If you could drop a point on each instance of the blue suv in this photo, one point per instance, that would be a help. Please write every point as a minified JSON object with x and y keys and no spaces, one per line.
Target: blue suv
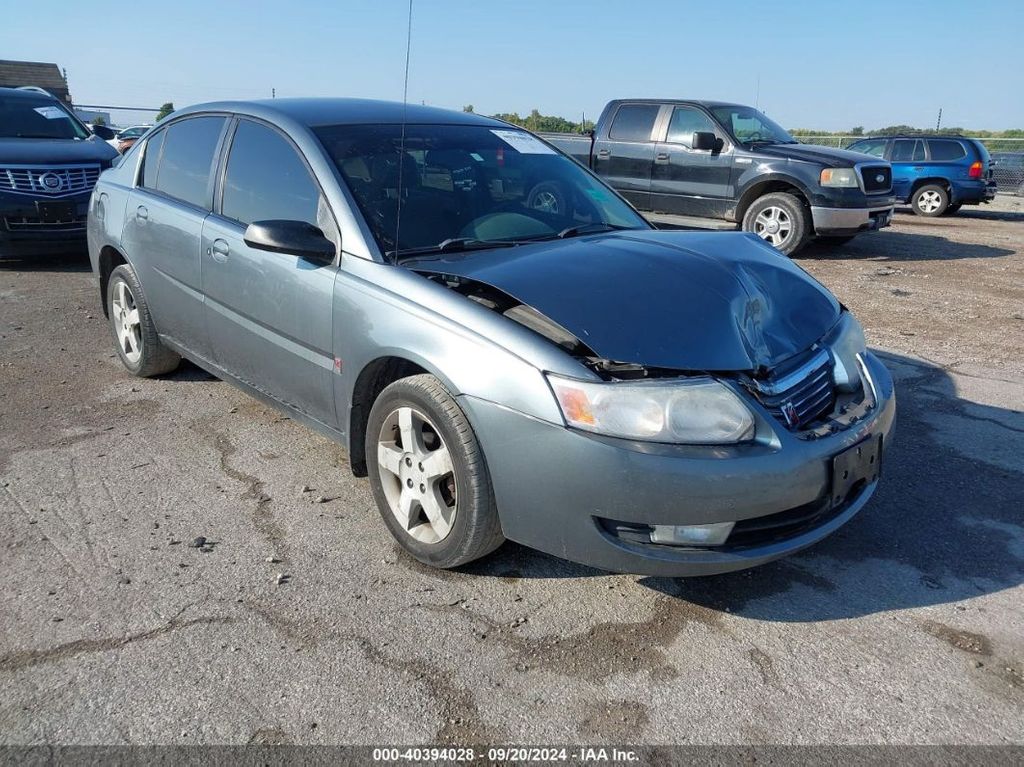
{"x":935,"y":174}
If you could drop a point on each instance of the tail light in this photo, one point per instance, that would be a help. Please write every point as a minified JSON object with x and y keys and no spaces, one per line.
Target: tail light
{"x":976,"y":170}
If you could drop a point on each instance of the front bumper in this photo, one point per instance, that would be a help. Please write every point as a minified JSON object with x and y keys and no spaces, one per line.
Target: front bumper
{"x":555,"y":488}
{"x":845,"y":221}
{"x":23,"y":232}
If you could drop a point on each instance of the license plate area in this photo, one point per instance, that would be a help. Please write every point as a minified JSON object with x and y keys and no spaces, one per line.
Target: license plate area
{"x":56,"y":212}
{"x":854,"y":468}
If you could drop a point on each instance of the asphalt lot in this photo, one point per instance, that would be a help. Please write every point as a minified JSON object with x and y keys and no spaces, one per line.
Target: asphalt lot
{"x":905,"y":627}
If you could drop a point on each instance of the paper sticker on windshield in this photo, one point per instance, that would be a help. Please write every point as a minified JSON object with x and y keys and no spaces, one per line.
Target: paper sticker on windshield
{"x":523,"y":142}
{"x":51,"y":112}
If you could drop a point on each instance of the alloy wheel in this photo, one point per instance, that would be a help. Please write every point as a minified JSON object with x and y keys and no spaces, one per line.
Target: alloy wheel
{"x":127,"y":326}
{"x":929,"y":201}
{"x":417,"y":475}
{"x":774,"y":225}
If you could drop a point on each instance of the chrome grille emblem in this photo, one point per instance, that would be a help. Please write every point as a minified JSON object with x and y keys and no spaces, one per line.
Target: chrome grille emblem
{"x":51,"y":182}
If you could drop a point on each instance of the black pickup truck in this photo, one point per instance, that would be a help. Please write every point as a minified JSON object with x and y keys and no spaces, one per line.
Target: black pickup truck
{"x":717,"y":165}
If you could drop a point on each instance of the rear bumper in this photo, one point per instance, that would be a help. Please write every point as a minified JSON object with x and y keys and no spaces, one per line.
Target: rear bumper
{"x":844,"y":221}
{"x":973,"y":192}
{"x":557,"y":489}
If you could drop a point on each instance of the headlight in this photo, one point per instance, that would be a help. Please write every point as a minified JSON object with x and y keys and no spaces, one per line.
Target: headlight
{"x":846,"y":177}
{"x":693,"y":411}
{"x":847,"y":342}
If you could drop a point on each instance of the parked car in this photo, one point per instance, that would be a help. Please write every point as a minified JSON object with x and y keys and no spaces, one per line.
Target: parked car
{"x":656,"y":402}
{"x":49,"y":162}
{"x":935,"y":174}
{"x":705,"y":161}
{"x":124,"y":139}
{"x":1008,"y":172}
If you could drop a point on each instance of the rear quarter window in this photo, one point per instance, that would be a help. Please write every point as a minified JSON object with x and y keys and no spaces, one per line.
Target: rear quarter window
{"x":945,"y":149}
{"x":634,"y":122}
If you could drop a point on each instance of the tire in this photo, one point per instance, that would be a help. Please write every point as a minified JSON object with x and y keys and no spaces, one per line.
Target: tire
{"x":952,"y":209}
{"x":930,"y":200}
{"x":549,"y":197}
{"x":135,"y":336}
{"x":781,"y":220}
{"x":835,"y":240}
{"x":444,"y":519}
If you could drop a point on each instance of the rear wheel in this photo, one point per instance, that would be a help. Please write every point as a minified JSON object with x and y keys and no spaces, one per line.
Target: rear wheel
{"x":781,"y":220}
{"x":428,"y":474}
{"x":930,"y":200}
{"x":135,"y":336}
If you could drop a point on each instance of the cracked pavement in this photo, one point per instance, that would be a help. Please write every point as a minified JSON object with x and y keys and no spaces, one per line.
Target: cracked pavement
{"x":907,"y":626}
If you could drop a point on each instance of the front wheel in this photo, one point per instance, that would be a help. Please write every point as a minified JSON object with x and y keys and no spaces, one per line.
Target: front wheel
{"x":428,"y":474}
{"x":781,"y":220}
{"x":930,"y":200}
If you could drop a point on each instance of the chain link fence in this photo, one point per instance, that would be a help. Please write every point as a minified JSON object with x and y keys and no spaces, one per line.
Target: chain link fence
{"x":1007,"y":153}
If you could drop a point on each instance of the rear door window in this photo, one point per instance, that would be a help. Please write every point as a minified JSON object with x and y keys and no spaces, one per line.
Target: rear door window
{"x":634,"y":122}
{"x":907,"y":150}
{"x":945,"y":149}
{"x":267,"y":179}
{"x":187,"y":159}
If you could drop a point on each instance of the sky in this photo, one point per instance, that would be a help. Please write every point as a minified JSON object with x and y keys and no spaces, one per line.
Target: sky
{"x":825,"y":65}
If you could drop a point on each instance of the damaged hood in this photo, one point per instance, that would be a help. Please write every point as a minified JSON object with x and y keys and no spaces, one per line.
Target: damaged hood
{"x":680,"y":300}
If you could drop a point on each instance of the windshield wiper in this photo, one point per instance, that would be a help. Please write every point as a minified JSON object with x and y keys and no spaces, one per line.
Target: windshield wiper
{"x":452,"y":244}
{"x":600,"y":226}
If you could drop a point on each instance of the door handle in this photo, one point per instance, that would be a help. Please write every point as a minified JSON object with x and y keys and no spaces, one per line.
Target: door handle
{"x":219,"y":250}
{"x":142,"y":213}
{"x":661,"y":157}
{"x":603,"y":153}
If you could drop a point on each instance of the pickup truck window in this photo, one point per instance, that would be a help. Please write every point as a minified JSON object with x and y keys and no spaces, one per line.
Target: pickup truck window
{"x":748,"y":126}
{"x":457,"y":182}
{"x":634,"y":122}
{"x":685,"y":122}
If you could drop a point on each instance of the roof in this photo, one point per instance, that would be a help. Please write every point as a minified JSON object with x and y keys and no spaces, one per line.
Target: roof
{"x":14,"y":74}
{"x":699,"y":102}
{"x":340,"y":111}
{"x":919,"y":135}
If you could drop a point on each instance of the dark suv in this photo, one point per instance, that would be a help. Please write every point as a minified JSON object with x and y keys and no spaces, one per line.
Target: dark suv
{"x":49,"y":163}
{"x":935,"y":174}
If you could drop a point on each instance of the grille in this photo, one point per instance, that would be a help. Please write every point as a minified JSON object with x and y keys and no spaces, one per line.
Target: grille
{"x":48,"y":180}
{"x":34,"y":224}
{"x":869,"y":176}
{"x":800,"y":395}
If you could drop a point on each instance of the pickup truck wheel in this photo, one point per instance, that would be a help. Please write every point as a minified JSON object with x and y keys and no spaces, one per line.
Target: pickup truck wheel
{"x":548,"y":197}
{"x":930,"y":200}
{"x":135,"y":336}
{"x":428,"y":474}
{"x":781,"y":220}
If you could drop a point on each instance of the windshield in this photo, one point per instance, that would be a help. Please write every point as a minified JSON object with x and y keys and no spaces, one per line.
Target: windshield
{"x":468,"y":185}
{"x":30,"y":117}
{"x":748,"y":126}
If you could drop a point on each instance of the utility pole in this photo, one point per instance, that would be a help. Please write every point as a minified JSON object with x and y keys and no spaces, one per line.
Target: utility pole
{"x":939,"y":121}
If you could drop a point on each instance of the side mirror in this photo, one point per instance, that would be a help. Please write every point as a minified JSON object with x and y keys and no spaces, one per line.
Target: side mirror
{"x":295,"y":238}
{"x":704,"y":140}
{"x":103,"y":132}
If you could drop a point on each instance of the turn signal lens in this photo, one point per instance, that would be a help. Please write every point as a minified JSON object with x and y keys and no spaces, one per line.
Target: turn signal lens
{"x":975,"y":171}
